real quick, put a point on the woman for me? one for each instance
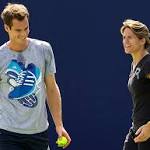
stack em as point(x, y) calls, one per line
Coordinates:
point(136, 41)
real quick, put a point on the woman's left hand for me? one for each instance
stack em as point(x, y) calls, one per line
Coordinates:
point(143, 133)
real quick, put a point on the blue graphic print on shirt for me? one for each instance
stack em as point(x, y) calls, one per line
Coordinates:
point(24, 82)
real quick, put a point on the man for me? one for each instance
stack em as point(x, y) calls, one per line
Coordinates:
point(27, 80)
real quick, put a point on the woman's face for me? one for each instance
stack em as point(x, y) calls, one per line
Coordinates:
point(131, 42)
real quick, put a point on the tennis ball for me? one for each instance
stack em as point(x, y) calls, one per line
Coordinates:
point(61, 141)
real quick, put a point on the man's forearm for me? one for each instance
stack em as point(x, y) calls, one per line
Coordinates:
point(55, 106)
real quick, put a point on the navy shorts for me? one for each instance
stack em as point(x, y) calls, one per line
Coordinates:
point(129, 143)
point(15, 141)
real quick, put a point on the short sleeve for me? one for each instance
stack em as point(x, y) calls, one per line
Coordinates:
point(50, 67)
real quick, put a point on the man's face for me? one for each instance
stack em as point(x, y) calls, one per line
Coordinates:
point(19, 31)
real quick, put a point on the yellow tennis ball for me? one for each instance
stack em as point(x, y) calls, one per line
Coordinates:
point(61, 141)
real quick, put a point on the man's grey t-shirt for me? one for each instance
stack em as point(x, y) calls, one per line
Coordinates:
point(22, 87)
